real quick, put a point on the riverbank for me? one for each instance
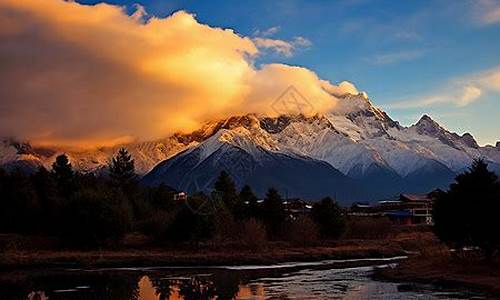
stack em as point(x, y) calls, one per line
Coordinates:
point(22, 256)
point(273, 253)
point(22, 252)
point(448, 270)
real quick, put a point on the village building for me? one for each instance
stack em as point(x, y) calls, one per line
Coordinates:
point(407, 209)
point(297, 207)
point(181, 196)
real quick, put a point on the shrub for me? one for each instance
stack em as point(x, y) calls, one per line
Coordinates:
point(226, 228)
point(193, 222)
point(95, 218)
point(156, 224)
point(253, 234)
point(302, 231)
point(368, 228)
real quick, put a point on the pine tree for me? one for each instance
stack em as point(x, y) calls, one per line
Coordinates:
point(249, 200)
point(225, 185)
point(327, 214)
point(46, 190)
point(273, 212)
point(122, 168)
point(64, 175)
point(226, 189)
point(466, 215)
point(62, 168)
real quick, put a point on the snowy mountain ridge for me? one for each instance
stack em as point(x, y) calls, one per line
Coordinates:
point(357, 139)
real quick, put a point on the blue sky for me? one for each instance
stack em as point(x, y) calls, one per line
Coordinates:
point(411, 57)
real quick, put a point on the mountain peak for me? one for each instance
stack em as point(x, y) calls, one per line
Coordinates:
point(426, 125)
point(426, 119)
point(469, 140)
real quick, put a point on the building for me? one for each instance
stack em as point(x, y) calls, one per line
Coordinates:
point(407, 209)
point(410, 209)
point(420, 207)
point(181, 196)
point(296, 207)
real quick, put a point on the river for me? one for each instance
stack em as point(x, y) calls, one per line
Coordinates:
point(333, 279)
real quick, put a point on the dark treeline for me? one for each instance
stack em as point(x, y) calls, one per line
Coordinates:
point(87, 210)
point(467, 214)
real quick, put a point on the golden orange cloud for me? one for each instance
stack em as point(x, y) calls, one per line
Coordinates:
point(87, 75)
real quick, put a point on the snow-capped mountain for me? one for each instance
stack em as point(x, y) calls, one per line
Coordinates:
point(377, 154)
point(356, 152)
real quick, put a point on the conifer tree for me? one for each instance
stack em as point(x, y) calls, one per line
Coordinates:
point(225, 187)
point(249, 200)
point(327, 214)
point(273, 212)
point(64, 175)
point(466, 215)
point(122, 168)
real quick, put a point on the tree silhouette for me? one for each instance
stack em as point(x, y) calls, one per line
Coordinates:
point(62, 168)
point(64, 175)
point(249, 201)
point(46, 189)
point(466, 215)
point(122, 168)
point(225, 187)
point(273, 212)
point(328, 216)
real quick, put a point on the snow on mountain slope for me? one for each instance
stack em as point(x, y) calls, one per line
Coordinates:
point(146, 155)
point(358, 139)
point(236, 152)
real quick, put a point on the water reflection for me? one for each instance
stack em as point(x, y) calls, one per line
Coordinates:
point(319, 282)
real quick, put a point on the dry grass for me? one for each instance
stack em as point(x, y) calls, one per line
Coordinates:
point(437, 265)
point(369, 228)
point(249, 248)
point(254, 234)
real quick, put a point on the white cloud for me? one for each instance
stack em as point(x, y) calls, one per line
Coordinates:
point(263, 40)
point(285, 48)
point(279, 46)
point(301, 41)
point(470, 94)
point(459, 92)
point(267, 32)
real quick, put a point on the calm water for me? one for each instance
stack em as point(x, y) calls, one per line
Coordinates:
point(322, 280)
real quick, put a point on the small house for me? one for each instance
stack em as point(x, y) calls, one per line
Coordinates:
point(181, 196)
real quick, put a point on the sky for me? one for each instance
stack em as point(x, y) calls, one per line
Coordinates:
point(411, 57)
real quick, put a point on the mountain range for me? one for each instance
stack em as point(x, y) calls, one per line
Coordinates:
point(355, 153)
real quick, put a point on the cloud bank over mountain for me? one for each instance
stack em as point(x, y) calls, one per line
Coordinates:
point(88, 75)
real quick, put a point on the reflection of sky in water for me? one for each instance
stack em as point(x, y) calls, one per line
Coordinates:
point(308, 283)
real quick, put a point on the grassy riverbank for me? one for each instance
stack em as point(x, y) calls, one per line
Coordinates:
point(436, 265)
point(27, 253)
point(429, 261)
point(271, 253)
